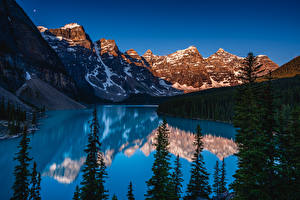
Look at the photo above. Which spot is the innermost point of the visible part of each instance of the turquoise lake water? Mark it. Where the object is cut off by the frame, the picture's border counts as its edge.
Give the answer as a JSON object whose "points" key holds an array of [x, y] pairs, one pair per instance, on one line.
{"points": [[126, 134]]}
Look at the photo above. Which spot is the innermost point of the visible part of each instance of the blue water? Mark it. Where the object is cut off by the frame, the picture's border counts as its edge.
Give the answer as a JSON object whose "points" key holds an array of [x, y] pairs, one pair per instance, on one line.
{"points": [[126, 133]]}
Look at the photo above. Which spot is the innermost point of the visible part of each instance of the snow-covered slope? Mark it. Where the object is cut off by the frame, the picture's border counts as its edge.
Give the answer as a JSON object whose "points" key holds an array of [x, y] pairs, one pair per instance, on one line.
{"points": [[100, 69]]}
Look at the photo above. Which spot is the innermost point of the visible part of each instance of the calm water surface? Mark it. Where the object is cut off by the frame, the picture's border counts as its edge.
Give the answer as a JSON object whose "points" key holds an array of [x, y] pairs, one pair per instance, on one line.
{"points": [[127, 133]]}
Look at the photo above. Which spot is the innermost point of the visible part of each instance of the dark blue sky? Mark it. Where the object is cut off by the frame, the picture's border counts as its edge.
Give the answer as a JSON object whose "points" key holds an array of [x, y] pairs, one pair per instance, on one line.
{"points": [[268, 27]]}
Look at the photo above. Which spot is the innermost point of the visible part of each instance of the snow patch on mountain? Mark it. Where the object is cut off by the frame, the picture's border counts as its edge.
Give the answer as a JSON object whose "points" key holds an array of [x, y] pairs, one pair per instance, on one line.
{"points": [[70, 26], [28, 76]]}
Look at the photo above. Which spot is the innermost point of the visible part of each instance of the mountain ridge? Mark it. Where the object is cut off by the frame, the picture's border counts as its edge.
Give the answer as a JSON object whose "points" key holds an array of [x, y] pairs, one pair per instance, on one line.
{"points": [[185, 70]]}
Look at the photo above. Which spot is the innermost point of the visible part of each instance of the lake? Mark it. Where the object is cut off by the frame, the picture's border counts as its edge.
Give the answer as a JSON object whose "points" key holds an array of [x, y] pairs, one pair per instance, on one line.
{"points": [[126, 133]]}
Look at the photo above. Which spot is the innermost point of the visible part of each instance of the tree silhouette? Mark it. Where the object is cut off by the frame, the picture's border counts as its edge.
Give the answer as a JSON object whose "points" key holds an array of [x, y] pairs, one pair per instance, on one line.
{"points": [[177, 179], [198, 186], [130, 195], [21, 172], [93, 177], [159, 184]]}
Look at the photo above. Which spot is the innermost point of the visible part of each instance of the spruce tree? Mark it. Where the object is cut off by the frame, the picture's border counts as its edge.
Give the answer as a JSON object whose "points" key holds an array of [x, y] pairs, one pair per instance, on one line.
{"points": [[114, 197], [198, 186], [266, 142], [93, 172], [21, 172], [76, 193], [249, 179], [38, 189], [34, 183], [177, 180], [222, 178], [160, 182], [130, 195], [216, 185], [289, 157], [101, 176]]}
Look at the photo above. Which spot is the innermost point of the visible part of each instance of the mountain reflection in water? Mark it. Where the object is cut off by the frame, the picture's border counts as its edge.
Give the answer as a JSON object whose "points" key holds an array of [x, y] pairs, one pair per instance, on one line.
{"points": [[127, 134]]}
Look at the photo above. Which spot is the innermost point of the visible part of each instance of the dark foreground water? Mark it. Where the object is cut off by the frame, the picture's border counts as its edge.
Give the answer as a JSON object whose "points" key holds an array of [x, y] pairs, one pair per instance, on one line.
{"points": [[127, 133]]}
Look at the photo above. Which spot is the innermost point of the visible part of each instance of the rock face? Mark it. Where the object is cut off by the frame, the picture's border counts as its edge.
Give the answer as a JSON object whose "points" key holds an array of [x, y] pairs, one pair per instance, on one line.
{"points": [[187, 70], [75, 34], [100, 69], [23, 49]]}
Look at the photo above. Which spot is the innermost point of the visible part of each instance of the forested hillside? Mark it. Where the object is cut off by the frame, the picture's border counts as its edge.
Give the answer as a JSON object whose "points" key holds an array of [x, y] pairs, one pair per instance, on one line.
{"points": [[218, 104]]}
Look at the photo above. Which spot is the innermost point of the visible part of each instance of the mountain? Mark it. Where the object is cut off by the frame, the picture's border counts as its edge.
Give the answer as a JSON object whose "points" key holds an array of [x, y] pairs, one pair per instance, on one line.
{"points": [[68, 60], [100, 69], [24, 53], [289, 69], [187, 70], [40, 94], [23, 49]]}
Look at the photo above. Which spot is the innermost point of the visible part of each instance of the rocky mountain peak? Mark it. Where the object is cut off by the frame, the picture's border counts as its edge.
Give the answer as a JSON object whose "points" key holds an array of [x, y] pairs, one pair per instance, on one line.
{"points": [[190, 52], [222, 57], [42, 29], [190, 49], [133, 54], [71, 26], [220, 50], [268, 64], [108, 47], [148, 53], [74, 34]]}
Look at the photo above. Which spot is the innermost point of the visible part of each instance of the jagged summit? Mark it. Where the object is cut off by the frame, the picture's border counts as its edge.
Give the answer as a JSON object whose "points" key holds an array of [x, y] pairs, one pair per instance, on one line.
{"points": [[131, 52], [74, 34], [42, 29], [220, 50], [108, 46], [189, 49], [148, 53], [71, 26], [126, 73]]}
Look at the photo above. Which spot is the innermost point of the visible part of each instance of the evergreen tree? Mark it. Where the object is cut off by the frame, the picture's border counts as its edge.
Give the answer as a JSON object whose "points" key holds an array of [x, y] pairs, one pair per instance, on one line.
{"points": [[34, 183], [114, 197], [177, 179], [222, 178], [101, 176], [21, 172], [198, 186], [93, 172], [130, 195], [38, 189], [76, 193], [159, 184], [250, 177], [216, 185], [289, 158], [266, 139]]}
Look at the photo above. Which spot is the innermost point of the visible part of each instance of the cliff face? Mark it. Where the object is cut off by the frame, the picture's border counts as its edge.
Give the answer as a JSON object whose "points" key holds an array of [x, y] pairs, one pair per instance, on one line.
{"points": [[115, 75], [187, 70], [100, 69], [22, 49]]}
